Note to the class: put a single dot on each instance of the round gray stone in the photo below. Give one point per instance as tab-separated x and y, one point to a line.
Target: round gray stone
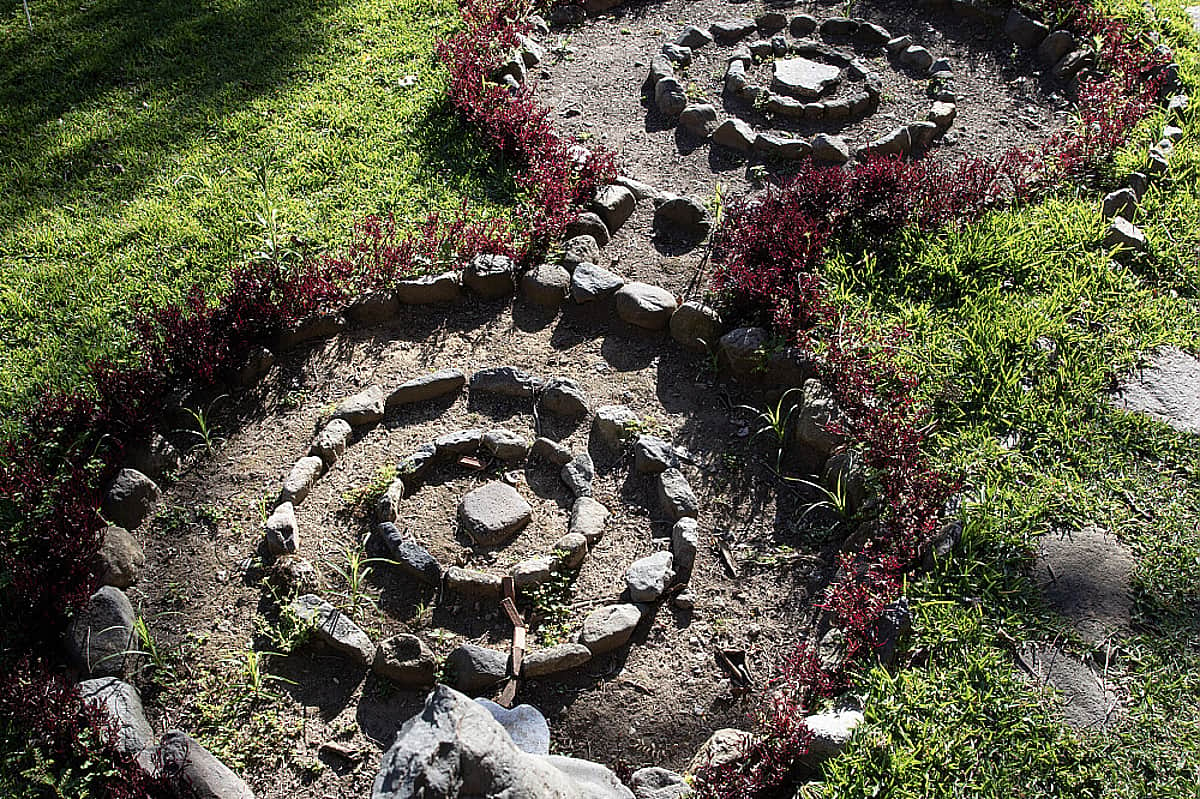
493	512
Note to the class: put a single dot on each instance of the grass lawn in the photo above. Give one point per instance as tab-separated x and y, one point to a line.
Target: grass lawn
147	144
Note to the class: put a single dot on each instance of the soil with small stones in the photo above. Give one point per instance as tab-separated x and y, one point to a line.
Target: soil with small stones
592	80
651	703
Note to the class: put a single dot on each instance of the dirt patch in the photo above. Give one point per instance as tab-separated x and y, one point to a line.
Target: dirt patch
1168	389
593	85
653	702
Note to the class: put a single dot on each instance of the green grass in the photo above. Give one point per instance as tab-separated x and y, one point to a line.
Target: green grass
1020	325
131	134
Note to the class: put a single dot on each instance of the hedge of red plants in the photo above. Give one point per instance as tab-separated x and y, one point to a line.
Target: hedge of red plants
770	254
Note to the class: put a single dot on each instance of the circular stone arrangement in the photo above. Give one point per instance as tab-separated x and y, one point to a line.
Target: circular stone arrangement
491	515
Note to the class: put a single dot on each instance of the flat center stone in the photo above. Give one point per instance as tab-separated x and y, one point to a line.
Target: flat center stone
806	79
493	513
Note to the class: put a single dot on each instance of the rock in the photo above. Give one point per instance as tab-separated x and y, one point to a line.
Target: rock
653	455
693	37
802	25
645	306
454	747
98	636
301	479
546	285
365	407
670	96
555	659
564	397
741	351
1125	235
373	308
590	224
130	498
296	575
282	530
593	780
330	443
916	57
120	558
641	191
507	381
590	283
579	250
815	419
614	423
922	134
1055	46
685	544
505	444
839	26
410	556
532	53
122	704
1085	576
872	35
430	289
1023	30
684	600
678	54
1176	105
781	148
525	725
311	328
587	519
730	30
790	367
803	78
185	762
387	507
647	578
427	387
1088	701
472	669
405	660
550	451
474	583
660	67
723	747
942	114
658	783
894	142
682	217
845	475
413	466
830	149
571	549
609	627
735	134
695	326
157	458
334	628
1069	65
579	474
489	276
698	120
577	15
532	572
493	513
615	204
831	733
459	443
888	631
675	495
1166	389
1121	202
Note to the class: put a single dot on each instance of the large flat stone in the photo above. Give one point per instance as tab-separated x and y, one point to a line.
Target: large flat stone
804	78
493	512
1168	390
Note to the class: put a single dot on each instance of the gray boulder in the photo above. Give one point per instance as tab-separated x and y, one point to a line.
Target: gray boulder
301	479
427	387
1124	234
647	578
816	418
130	498
685	544
409	556
735	134
490	276
682	217
609	627
741	351
589	224
122	704
550	451
571	549
578	475
365	407
493	512
670	97
614	423
546	285
188	763
830	149
507	381
554	659
330	443
282	530
405	660
652	455
472	669
590	283
334	628
525	725
699	120
695	326
1023	30
98	637
581	249
564	397
505	444
675	495
588	518
446	287
645	306
614	205
458	443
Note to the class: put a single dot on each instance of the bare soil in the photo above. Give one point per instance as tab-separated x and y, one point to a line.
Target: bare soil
652	702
